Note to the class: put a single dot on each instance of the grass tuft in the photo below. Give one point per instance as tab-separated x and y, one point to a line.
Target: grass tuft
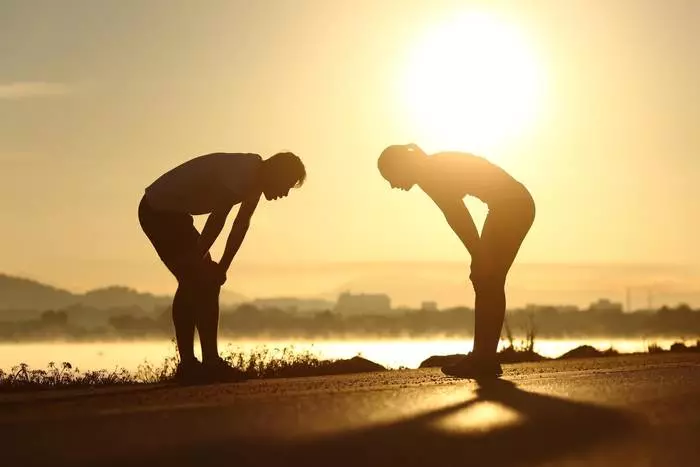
261	362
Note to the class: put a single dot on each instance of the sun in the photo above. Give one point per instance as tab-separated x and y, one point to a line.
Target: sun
472	83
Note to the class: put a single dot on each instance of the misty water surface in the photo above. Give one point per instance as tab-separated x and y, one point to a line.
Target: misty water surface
389	352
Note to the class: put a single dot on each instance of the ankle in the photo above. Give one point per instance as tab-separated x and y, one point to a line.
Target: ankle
189	361
211	359
484	356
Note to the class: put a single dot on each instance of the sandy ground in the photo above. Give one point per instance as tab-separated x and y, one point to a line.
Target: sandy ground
622	411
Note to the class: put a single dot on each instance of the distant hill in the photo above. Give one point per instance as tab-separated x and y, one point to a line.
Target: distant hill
119	297
228	297
24	295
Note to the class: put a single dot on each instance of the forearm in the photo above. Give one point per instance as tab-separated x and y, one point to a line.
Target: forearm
233	243
458	217
209	234
467	233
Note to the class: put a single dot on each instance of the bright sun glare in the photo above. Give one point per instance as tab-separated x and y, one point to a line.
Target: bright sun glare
472	84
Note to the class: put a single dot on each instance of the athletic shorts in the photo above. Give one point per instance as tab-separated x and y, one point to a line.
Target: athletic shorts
173	236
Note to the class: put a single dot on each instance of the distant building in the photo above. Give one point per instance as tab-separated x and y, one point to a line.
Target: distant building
429	306
531	308
291	304
606	305
363	304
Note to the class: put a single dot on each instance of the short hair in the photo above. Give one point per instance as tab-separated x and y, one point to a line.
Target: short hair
289	163
395	155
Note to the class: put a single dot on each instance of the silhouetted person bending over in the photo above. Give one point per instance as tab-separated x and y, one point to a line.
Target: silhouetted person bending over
447	178
210	184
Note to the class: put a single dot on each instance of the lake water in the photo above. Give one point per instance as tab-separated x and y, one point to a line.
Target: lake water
392	353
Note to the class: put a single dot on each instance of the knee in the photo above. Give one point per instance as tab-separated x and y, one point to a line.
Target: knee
184	296
490	284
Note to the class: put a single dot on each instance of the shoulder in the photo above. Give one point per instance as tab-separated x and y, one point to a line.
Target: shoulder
434	185
234	160
455	156
462	161
239	170
239	156
248	158
439	179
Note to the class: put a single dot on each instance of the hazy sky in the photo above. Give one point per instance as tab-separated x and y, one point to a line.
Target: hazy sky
97	99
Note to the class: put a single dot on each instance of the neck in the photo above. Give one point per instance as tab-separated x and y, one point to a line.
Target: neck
418	168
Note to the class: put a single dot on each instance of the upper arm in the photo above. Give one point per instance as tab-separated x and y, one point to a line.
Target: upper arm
451	205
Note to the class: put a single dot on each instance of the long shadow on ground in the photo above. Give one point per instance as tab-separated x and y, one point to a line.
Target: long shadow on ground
548	428
49	396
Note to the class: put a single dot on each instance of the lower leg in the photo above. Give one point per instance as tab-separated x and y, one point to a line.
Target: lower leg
207	320
489	314
183	320
490	311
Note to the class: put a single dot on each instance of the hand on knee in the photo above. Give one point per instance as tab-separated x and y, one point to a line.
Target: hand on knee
206	276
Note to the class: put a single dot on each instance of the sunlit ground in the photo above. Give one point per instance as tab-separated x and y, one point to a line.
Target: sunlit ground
481	416
391	353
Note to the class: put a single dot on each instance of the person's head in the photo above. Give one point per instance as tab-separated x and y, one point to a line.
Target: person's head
281	173
400	164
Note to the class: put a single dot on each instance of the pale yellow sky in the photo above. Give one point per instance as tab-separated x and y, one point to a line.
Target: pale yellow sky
98	98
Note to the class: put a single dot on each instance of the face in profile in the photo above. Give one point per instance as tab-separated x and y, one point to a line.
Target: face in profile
397	179
281	173
394	168
276	189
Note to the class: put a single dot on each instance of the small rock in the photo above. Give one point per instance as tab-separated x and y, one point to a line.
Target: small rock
511	355
354	365
584	351
678	347
441	360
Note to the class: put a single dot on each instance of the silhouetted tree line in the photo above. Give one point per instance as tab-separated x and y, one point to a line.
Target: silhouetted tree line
680	321
50	324
248	320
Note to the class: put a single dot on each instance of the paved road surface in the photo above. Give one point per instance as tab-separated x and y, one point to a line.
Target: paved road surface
626	411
